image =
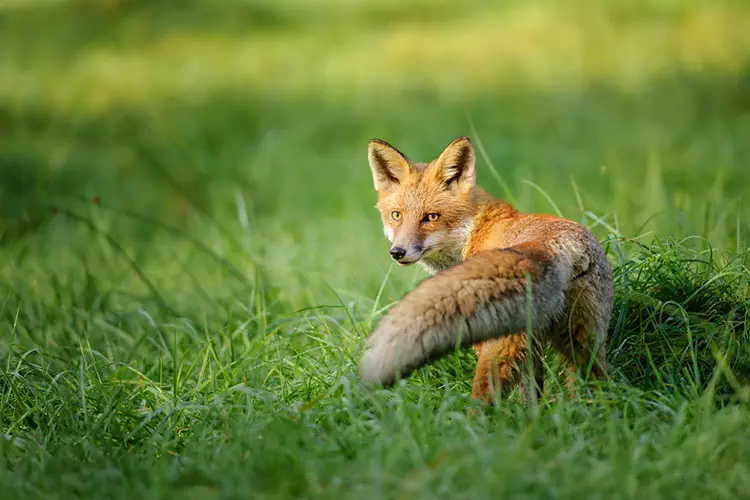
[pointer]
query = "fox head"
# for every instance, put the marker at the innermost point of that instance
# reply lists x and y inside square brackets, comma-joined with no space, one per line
[426,207]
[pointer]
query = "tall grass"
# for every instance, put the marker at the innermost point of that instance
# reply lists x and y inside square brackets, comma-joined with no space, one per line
[190,259]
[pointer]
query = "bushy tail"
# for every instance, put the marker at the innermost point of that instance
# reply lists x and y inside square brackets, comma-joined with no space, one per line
[481,298]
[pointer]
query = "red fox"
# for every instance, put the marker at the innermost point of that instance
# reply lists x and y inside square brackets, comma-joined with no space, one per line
[482,253]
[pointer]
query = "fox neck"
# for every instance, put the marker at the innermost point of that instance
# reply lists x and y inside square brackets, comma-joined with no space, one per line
[451,254]
[459,239]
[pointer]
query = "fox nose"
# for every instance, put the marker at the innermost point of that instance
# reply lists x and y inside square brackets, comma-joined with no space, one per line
[397,253]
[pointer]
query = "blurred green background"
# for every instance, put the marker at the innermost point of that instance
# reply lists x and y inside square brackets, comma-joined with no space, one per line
[190,258]
[243,125]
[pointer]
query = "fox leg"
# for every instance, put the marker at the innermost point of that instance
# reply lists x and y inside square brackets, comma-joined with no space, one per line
[578,356]
[582,344]
[501,366]
[580,337]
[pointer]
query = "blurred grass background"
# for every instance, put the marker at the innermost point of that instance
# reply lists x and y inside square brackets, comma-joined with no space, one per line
[634,111]
[205,160]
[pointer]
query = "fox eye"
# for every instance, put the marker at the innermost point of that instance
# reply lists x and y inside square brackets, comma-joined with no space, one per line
[396,215]
[431,217]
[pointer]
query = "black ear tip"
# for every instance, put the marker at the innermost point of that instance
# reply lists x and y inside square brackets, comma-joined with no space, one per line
[379,144]
[462,141]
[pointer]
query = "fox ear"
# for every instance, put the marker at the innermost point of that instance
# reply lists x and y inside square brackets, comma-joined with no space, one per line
[455,165]
[389,166]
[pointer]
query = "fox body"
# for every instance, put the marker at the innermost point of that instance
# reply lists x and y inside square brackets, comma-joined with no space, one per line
[483,254]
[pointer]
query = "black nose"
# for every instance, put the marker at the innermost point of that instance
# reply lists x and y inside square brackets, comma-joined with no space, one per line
[397,253]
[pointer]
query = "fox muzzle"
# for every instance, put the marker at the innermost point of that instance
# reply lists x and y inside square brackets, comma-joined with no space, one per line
[408,255]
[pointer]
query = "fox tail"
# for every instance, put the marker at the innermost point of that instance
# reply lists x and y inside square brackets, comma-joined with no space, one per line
[481,298]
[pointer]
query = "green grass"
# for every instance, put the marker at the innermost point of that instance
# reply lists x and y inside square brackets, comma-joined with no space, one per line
[190,259]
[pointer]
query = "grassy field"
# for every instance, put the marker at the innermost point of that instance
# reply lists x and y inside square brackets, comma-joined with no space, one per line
[190,258]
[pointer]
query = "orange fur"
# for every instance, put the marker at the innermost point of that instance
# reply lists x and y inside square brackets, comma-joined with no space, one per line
[481,251]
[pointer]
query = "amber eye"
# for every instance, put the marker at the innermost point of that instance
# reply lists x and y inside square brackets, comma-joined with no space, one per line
[431,217]
[396,215]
